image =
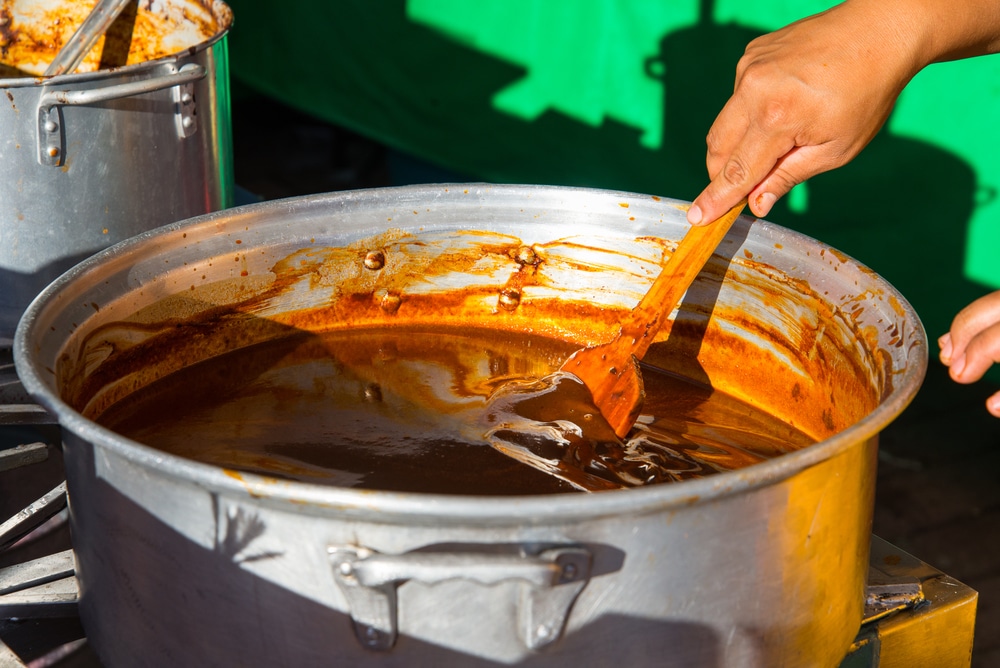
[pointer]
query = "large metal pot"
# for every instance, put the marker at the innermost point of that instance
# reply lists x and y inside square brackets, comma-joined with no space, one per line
[182,563]
[92,158]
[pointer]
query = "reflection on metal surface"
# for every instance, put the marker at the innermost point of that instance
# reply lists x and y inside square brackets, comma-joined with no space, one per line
[22,455]
[550,582]
[884,598]
[32,516]
[44,587]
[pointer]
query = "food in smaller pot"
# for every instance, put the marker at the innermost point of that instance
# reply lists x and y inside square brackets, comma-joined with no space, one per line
[35,30]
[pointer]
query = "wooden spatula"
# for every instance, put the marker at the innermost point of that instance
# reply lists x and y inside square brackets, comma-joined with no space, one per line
[611,370]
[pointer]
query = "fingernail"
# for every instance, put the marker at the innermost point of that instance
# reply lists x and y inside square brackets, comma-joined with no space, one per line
[695,214]
[945,344]
[958,366]
[993,405]
[762,204]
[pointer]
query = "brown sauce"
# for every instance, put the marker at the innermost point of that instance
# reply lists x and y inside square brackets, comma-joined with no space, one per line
[468,411]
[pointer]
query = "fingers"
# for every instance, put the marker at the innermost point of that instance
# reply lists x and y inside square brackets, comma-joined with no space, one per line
[970,322]
[797,166]
[993,405]
[738,170]
[983,350]
[783,172]
[973,343]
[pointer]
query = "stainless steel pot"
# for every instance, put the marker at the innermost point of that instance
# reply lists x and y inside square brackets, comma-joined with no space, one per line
[89,159]
[182,563]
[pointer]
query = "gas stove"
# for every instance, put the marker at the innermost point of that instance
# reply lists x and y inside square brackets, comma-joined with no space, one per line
[914,615]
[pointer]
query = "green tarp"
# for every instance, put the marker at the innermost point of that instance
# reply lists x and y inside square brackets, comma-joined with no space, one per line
[620,94]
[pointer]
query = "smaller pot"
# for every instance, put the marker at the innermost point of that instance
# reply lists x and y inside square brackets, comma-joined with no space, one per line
[90,159]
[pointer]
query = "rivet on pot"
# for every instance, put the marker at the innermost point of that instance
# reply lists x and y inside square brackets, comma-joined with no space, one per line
[51,126]
[509,299]
[390,302]
[53,151]
[375,260]
[526,255]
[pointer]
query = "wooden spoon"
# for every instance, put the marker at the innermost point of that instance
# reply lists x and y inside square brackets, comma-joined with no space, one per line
[611,370]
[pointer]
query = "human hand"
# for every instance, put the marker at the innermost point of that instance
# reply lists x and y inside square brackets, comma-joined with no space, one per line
[973,344]
[807,99]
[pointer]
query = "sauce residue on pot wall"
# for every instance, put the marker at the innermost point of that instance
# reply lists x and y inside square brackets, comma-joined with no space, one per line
[783,354]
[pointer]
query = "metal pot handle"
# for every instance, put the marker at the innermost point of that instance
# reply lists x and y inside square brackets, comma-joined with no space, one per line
[51,136]
[550,582]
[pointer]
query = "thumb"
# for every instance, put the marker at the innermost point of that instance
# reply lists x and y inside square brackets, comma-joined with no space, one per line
[797,166]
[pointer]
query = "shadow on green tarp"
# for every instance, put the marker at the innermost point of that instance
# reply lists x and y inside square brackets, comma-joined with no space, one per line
[902,207]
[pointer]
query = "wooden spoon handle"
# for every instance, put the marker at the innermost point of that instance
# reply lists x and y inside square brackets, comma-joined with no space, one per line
[675,278]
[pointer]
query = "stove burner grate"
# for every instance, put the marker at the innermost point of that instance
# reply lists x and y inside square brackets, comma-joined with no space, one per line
[39,622]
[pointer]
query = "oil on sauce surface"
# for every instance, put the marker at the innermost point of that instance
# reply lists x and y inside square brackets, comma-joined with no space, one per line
[451,410]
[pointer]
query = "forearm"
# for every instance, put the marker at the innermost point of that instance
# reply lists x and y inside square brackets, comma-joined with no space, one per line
[904,36]
[952,29]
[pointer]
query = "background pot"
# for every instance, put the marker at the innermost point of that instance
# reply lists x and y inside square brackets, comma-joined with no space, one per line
[183,563]
[89,159]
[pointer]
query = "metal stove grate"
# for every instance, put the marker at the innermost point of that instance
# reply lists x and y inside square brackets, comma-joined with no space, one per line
[39,623]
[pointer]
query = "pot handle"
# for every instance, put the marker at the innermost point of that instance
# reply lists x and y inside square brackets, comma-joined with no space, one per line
[51,136]
[550,582]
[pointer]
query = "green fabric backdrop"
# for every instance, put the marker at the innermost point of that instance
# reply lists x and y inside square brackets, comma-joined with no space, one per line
[620,94]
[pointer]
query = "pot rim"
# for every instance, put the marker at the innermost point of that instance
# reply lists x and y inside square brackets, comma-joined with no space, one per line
[71,79]
[412,507]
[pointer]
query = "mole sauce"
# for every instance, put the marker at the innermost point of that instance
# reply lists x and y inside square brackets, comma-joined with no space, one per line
[454,411]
